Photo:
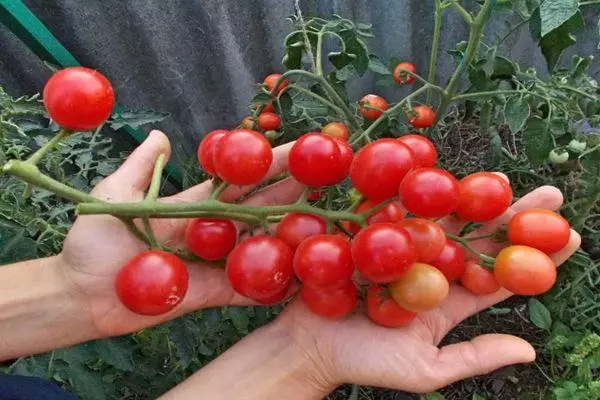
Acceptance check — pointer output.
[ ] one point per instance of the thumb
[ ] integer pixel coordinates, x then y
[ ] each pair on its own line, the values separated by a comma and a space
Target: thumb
479, 356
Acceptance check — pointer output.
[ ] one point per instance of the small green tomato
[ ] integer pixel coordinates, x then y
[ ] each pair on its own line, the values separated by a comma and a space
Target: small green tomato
558, 156
577, 146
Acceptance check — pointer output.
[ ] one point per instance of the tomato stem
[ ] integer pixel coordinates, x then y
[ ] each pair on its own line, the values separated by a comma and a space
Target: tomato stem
218, 190
42, 151
378, 207
465, 242
435, 44
154, 188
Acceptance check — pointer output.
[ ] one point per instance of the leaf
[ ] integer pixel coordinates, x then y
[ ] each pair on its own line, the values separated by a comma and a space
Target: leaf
432, 396
116, 352
346, 73
239, 318
136, 118
377, 66
10, 128
182, 341
14, 244
498, 311
261, 98
539, 314
478, 397
503, 68
86, 383
554, 13
516, 113
555, 43
538, 142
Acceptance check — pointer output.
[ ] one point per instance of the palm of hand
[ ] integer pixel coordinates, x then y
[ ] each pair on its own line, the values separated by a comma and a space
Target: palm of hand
407, 358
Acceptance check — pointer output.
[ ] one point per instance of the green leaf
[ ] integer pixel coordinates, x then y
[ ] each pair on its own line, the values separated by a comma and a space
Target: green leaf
487, 111
554, 13
555, 43
539, 314
478, 397
516, 113
10, 128
377, 66
239, 317
25, 105
261, 98
14, 244
86, 383
538, 142
116, 352
503, 68
432, 396
339, 59
136, 118
346, 73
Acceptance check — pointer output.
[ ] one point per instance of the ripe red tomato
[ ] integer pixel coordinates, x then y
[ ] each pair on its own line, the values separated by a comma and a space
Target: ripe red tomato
324, 261
379, 167
427, 237
421, 117
269, 121
429, 192
423, 288
422, 148
483, 197
346, 157
268, 108
153, 282
384, 311
330, 302
296, 227
372, 100
451, 261
78, 98
316, 160
393, 212
479, 280
260, 267
314, 195
524, 270
401, 76
206, 150
247, 123
336, 130
210, 238
383, 252
541, 229
242, 157
271, 80
275, 299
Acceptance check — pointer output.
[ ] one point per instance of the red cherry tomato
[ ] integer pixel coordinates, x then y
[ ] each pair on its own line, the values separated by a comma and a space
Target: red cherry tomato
451, 261
296, 227
423, 288
336, 130
78, 98
400, 74
483, 197
210, 238
393, 212
384, 311
372, 100
524, 270
383, 252
330, 302
379, 167
346, 157
260, 267
314, 195
316, 160
242, 157
479, 280
206, 150
429, 192
427, 237
324, 261
269, 121
541, 229
268, 108
422, 148
153, 282
271, 80
275, 299
421, 117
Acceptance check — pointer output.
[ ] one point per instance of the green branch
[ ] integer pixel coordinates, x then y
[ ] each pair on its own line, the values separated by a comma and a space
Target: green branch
435, 44
463, 13
465, 242
42, 151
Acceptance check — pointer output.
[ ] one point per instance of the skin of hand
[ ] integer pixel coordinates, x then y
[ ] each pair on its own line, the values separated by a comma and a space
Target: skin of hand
98, 246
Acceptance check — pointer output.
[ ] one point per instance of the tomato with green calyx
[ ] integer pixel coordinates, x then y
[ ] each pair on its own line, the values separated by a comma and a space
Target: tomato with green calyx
429, 192
379, 167
424, 151
269, 121
206, 150
451, 261
210, 238
270, 82
242, 157
383, 252
318, 160
295, 227
78, 98
401, 76
577, 146
423, 288
479, 280
330, 302
558, 156
260, 267
428, 238
324, 261
336, 130
384, 311
421, 117
372, 106
541, 229
524, 270
152, 283
483, 197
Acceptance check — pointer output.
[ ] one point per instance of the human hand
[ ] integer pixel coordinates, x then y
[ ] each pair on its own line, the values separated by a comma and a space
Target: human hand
355, 350
98, 246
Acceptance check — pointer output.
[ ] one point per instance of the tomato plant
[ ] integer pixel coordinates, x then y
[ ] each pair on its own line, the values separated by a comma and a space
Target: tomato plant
524, 270
384, 311
421, 117
332, 302
421, 289
242, 157
210, 238
372, 106
271, 80
429, 192
401, 75
541, 229
324, 261
483, 196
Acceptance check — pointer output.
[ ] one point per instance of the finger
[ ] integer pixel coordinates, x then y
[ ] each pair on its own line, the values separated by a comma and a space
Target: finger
203, 190
478, 356
136, 172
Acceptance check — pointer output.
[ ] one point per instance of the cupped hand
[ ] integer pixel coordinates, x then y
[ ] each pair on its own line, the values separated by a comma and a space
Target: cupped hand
98, 246
355, 350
